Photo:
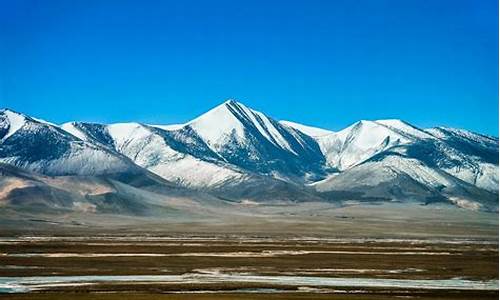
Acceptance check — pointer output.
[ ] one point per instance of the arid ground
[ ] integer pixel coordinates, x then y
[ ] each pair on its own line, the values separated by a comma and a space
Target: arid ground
348, 253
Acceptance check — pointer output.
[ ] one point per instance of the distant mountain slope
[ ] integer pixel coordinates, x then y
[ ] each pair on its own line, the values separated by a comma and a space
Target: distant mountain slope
254, 142
235, 153
309, 130
45, 148
364, 139
469, 156
140, 195
182, 157
395, 176
179, 156
225, 144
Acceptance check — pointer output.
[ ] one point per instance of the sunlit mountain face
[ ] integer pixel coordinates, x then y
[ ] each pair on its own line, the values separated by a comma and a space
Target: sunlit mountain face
237, 153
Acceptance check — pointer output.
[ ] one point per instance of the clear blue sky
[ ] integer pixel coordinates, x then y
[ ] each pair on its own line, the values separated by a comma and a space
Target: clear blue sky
325, 63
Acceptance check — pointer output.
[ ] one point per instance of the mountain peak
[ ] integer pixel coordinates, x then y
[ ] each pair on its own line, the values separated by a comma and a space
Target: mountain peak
387, 127
10, 112
217, 124
234, 121
236, 107
14, 122
226, 107
232, 102
14, 115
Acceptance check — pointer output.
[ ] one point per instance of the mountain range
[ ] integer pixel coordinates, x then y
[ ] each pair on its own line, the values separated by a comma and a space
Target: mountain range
233, 154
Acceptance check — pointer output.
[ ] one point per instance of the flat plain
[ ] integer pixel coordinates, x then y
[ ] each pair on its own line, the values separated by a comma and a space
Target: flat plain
375, 252
268, 266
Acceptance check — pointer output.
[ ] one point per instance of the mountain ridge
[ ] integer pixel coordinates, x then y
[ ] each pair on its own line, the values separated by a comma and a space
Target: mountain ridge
231, 148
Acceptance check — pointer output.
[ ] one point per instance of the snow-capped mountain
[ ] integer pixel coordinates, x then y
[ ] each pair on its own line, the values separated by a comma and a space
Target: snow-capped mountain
358, 142
391, 159
399, 175
235, 152
42, 147
179, 156
253, 141
228, 144
466, 155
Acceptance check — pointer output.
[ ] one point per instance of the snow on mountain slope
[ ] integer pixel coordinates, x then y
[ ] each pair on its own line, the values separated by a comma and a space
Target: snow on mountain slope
152, 150
41, 147
195, 173
469, 156
11, 122
168, 154
234, 149
474, 138
391, 176
364, 139
309, 130
358, 142
72, 129
141, 145
230, 120
377, 171
404, 128
464, 156
180, 156
250, 140
169, 127
218, 125
225, 142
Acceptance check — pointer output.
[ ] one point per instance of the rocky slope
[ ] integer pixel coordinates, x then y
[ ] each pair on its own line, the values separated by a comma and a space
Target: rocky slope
236, 153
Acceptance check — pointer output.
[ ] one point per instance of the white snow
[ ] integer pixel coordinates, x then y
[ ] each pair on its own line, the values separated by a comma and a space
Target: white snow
220, 123
169, 127
216, 126
80, 159
446, 132
44, 122
149, 150
267, 129
404, 128
72, 129
487, 177
124, 132
141, 145
232, 122
195, 173
308, 130
16, 122
374, 173
358, 142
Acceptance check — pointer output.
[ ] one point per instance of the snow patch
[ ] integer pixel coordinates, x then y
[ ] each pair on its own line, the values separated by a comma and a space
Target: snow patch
309, 130
16, 122
72, 129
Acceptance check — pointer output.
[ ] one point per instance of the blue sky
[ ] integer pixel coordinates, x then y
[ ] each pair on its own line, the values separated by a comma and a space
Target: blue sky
326, 63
